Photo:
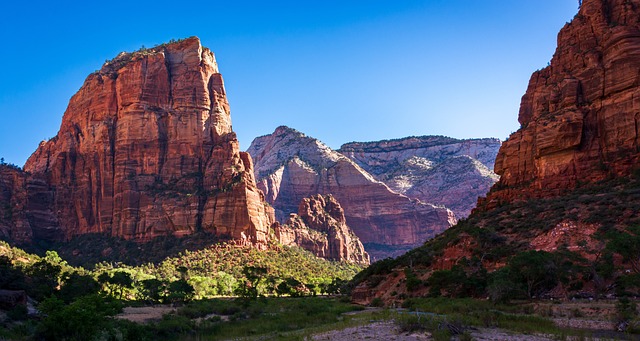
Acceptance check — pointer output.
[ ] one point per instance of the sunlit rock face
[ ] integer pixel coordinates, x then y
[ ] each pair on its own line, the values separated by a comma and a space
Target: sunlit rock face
435, 169
146, 149
580, 115
320, 227
290, 166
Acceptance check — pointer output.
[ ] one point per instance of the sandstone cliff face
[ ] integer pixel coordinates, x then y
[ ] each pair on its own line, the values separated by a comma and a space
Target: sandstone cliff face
320, 227
14, 224
434, 169
580, 115
291, 166
146, 148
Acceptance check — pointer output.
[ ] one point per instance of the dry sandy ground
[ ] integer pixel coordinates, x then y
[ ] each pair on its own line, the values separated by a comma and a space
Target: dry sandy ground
387, 331
144, 314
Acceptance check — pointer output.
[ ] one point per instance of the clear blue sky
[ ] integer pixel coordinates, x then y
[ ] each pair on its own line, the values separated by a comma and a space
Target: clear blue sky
339, 71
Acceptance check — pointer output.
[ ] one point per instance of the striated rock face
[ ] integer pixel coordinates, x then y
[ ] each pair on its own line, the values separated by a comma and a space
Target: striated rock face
146, 148
435, 169
580, 115
291, 166
14, 224
320, 227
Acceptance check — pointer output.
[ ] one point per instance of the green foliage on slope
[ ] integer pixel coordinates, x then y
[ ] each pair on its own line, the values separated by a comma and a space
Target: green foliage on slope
500, 238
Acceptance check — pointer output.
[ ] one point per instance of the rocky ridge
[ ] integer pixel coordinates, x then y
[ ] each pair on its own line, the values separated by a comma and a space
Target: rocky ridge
290, 166
146, 149
435, 169
320, 227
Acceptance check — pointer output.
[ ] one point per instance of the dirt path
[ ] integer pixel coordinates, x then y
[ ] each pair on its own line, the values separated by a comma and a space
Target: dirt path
144, 314
386, 330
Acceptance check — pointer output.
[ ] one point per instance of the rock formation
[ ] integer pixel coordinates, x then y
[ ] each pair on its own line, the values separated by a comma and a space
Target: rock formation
145, 149
320, 227
14, 224
580, 115
435, 169
290, 166
569, 182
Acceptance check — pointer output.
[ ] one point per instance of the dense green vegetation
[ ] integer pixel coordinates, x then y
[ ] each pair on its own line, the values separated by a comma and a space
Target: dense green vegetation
609, 260
79, 303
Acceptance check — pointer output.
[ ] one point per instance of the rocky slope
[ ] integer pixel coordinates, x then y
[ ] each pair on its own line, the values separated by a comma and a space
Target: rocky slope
320, 227
435, 169
146, 149
290, 166
569, 183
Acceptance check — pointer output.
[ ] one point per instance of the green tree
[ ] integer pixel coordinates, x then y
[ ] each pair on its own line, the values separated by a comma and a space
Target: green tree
116, 282
204, 286
226, 283
501, 287
11, 277
83, 319
75, 285
254, 277
43, 279
412, 281
180, 291
535, 270
627, 244
153, 290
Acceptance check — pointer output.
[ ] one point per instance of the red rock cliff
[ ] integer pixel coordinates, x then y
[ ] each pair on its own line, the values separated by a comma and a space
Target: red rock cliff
146, 149
320, 227
580, 116
14, 224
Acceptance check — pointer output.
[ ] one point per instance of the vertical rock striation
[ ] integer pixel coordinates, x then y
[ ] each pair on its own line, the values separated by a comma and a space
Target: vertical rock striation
291, 166
435, 169
320, 227
580, 115
146, 148
14, 224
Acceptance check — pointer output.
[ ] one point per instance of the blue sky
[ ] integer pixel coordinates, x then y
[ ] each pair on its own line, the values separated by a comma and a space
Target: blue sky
339, 71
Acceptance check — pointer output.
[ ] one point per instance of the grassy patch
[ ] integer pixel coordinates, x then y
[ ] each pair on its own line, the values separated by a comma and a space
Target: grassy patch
280, 318
458, 314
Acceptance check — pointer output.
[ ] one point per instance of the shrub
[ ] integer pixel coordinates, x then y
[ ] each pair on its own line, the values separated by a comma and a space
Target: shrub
80, 320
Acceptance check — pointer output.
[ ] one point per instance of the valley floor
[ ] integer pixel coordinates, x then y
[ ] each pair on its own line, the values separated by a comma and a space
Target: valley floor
575, 321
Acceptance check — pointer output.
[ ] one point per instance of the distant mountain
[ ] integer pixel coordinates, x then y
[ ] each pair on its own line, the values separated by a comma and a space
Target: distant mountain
290, 166
435, 169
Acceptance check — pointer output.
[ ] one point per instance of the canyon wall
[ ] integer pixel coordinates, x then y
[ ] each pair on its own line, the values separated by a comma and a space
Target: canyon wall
291, 166
435, 169
580, 115
146, 149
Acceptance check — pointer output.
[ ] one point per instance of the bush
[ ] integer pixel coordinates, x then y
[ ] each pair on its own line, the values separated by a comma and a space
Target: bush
377, 302
80, 320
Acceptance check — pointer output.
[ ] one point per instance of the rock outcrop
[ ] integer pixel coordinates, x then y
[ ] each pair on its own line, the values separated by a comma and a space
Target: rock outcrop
320, 227
290, 166
580, 115
569, 182
146, 149
435, 169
